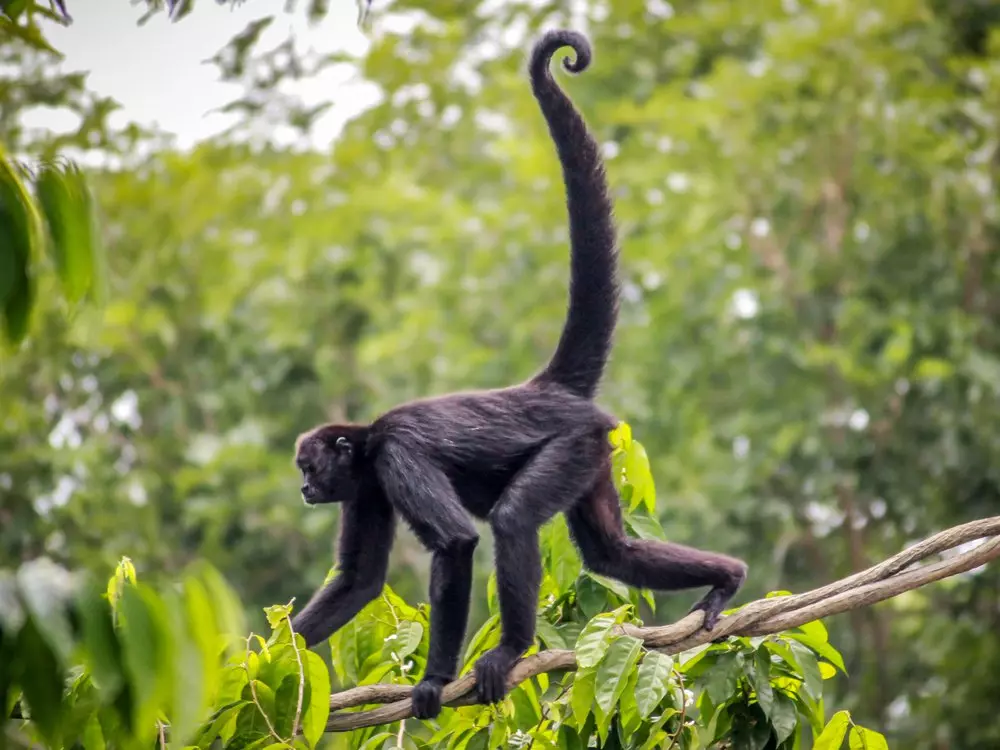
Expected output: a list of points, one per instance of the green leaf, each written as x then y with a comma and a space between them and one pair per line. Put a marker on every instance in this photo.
42, 682
277, 614
582, 697
654, 681
615, 669
816, 630
92, 736
548, 634
102, 651
145, 652
645, 527
618, 588
594, 640
219, 719
47, 591
20, 244
639, 476
866, 739
318, 710
809, 669
723, 677
655, 735
832, 736
821, 647
408, 637
485, 638
783, 716
621, 436
760, 676
527, 711
563, 562
188, 672
68, 212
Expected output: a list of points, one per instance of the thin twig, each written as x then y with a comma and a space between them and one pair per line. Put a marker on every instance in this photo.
256, 702
763, 617
302, 678
683, 714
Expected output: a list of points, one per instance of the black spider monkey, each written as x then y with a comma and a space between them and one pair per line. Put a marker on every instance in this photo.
514, 456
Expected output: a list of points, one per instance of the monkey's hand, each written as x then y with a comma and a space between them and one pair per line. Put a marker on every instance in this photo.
492, 671
426, 697
712, 603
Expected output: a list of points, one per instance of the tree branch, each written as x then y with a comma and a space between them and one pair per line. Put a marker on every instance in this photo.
762, 617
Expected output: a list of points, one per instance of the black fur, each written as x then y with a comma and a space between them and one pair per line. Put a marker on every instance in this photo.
515, 457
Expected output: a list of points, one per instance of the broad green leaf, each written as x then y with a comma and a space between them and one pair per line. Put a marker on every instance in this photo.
92, 737
485, 638
833, 733
722, 678
760, 676
563, 560
618, 588
222, 716
809, 669
645, 527
190, 672
615, 669
866, 739
548, 634
102, 650
783, 716
67, 208
654, 677
42, 682
821, 647
582, 697
816, 630
145, 651
20, 244
527, 711
594, 641
316, 713
408, 638
655, 735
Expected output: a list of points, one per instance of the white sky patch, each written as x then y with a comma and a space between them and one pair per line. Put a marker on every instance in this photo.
165, 80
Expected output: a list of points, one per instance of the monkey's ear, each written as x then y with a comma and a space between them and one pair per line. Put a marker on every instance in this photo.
343, 447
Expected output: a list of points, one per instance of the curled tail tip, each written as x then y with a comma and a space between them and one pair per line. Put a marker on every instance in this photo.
553, 40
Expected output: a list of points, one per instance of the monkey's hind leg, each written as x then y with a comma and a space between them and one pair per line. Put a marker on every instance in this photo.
548, 484
595, 524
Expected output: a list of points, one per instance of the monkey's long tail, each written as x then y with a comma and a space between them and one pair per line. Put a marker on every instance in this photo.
585, 344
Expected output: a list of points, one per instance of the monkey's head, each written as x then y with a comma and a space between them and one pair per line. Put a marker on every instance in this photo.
330, 459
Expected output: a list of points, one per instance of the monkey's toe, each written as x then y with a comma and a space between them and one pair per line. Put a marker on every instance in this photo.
426, 699
491, 674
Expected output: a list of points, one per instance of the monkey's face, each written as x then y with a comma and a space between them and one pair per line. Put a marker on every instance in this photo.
327, 467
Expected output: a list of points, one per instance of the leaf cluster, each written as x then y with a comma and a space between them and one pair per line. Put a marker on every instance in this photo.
46, 209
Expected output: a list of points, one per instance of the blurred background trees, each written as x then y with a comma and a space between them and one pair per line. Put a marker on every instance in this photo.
808, 203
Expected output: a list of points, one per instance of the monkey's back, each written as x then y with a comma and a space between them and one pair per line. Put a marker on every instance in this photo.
482, 430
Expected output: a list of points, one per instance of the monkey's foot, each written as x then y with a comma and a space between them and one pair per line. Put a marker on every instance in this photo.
492, 671
426, 697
